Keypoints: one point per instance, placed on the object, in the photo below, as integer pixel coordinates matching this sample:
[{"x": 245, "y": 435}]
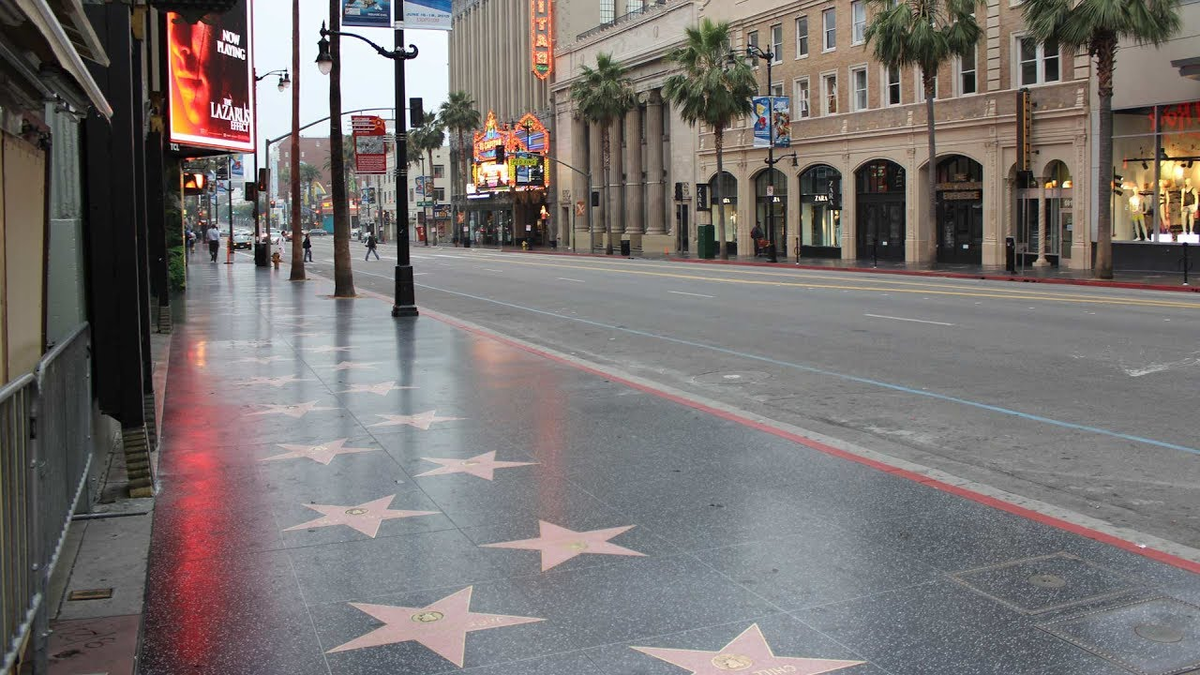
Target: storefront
[
  {"x": 728, "y": 206},
  {"x": 770, "y": 192},
  {"x": 959, "y": 210},
  {"x": 821, "y": 212},
  {"x": 880, "y": 205},
  {"x": 507, "y": 196}
]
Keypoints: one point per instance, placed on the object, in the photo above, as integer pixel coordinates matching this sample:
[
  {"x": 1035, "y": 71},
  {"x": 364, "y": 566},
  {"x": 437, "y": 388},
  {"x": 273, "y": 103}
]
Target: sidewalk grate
[
  {"x": 1045, "y": 583},
  {"x": 1159, "y": 636}
]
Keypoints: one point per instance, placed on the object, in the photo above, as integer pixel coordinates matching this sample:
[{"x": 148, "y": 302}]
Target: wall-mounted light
[{"x": 1068, "y": 184}]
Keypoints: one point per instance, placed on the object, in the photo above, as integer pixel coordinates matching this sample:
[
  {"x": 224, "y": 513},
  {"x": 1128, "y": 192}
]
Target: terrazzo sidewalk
[{"x": 342, "y": 492}]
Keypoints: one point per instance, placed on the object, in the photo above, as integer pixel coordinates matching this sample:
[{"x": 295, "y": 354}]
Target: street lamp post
[
  {"x": 769, "y": 57},
  {"x": 285, "y": 81},
  {"x": 405, "y": 290}
]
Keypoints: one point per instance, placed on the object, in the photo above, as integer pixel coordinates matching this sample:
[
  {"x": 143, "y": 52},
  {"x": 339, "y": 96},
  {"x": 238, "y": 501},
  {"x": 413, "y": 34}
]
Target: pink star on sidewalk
[
  {"x": 297, "y": 410},
  {"x": 442, "y": 626},
  {"x": 484, "y": 466},
  {"x": 558, "y": 544},
  {"x": 349, "y": 365},
  {"x": 747, "y": 652},
  {"x": 381, "y": 389},
  {"x": 421, "y": 421},
  {"x": 365, "y": 518},
  {"x": 276, "y": 382},
  {"x": 323, "y": 453}
]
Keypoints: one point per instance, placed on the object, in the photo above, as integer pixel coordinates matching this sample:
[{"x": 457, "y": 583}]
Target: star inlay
[
  {"x": 421, "y": 421},
  {"x": 275, "y": 381},
  {"x": 483, "y": 466},
  {"x": 748, "y": 652},
  {"x": 442, "y": 626},
  {"x": 349, "y": 365},
  {"x": 323, "y": 453},
  {"x": 365, "y": 518},
  {"x": 558, "y": 544},
  {"x": 326, "y": 349},
  {"x": 296, "y": 410},
  {"x": 381, "y": 389}
]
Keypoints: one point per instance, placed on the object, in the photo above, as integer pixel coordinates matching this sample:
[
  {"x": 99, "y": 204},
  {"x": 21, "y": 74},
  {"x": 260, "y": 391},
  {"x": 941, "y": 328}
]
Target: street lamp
[
  {"x": 285, "y": 81},
  {"x": 754, "y": 51},
  {"x": 405, "y": 289}
]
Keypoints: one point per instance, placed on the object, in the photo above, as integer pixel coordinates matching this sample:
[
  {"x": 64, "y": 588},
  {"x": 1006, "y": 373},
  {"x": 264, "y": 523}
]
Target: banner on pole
[
  {"x": 425, "y": 15},
  {"x": 772, "y": 117},
  {"x": 370, "y": 146},
  {"x": 367, "y": 13}
]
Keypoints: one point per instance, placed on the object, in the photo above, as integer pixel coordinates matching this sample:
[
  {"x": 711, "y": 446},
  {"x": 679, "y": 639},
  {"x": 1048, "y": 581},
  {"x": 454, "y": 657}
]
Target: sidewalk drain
[
  {"x": 1045, "y": 583},
  {"x": 1159, "y": 636},
  {"x": 91, "y": 594}
]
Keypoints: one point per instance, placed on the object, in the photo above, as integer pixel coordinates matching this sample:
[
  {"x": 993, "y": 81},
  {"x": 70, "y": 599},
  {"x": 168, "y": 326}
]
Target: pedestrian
[
  {"x": 307, "y": 248},
  {"x": 757, "y": 234},
  {"x": 214, "y": 241},
  {"x": 191, "y": 241},
  {"x": 371, "y": 247}
]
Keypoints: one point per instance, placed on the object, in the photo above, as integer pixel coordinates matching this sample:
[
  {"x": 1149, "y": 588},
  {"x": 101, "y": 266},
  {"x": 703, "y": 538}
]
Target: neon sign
[{"x": 541, "y": 34}]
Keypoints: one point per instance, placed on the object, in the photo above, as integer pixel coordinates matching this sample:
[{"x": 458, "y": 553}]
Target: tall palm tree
[
  {"x": 348, "y": 166},
  {"x": 429, "y": 137},
  {"x": 603, "y": 95},
  {"x": 309, "y": 174},
  {"x": 925, "y": 34},
  {"x": 458, "y": 114},
  {"x": 1099, "y": 25},
  {"x": 712, "y": 89}
]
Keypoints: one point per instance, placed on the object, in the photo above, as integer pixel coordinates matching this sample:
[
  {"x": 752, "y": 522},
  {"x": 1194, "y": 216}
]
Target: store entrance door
[
  {"x": 960, "y": 232},
  {"x": 881, "y": 229}
]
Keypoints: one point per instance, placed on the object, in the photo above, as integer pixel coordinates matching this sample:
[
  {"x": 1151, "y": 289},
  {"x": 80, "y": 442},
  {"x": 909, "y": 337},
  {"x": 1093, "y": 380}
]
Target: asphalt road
[{"x": 1084, "y": 398}]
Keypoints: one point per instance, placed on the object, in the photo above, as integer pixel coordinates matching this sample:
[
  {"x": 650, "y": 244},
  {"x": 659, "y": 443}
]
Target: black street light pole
[
  {"x": 405, "y": 303},
  {"x": 752, "y": 50},
  {"x": 285, "y": 81}
]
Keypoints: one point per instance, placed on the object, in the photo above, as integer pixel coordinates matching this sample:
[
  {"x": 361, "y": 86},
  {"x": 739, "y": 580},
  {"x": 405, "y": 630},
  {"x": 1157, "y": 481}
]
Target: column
[
  {"x": 616, "y": 214},
  {"x": 598, "y": 214},
  {"x": 579, "y": 159},
  {"x": 655, "y": 187},
  {"x": 634, "y": 217}
]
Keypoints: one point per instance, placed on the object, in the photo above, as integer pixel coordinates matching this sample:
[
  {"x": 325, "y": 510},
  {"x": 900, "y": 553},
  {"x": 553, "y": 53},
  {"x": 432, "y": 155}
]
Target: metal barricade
[{"x": 45, "y": 455}]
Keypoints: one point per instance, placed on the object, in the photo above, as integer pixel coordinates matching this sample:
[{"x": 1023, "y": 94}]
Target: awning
[
  {"x": 43, "y": 16},
  {"x": 1189, "y": 68}
]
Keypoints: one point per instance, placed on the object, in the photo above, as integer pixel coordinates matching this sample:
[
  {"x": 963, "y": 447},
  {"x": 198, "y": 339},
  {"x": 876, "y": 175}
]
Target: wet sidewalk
[{"x": 347, "y": 493}]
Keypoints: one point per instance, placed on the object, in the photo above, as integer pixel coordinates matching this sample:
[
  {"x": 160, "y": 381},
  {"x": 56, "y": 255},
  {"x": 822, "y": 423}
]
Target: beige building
[
  {"x": 381, "y": 213},
  {"x": 858, "y": 134}
]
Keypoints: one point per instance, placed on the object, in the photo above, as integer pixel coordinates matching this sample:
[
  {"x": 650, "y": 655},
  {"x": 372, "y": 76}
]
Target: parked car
[
  {"x": 315, "y": 232},
  {"x": 243, "y": 240}
]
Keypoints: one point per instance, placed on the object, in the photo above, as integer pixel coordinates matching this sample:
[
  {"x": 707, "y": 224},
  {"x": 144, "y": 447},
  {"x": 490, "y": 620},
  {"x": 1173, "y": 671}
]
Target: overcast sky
[{"x": 367, "y": 78}]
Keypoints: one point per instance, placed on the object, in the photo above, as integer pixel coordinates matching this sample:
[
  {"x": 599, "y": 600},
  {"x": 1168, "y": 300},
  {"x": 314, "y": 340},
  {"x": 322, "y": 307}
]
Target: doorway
[{"x": 960, "y": 211}]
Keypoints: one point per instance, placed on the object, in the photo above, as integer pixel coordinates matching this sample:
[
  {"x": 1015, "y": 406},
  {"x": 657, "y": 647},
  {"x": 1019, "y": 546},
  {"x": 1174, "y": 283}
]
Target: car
[
  {"x": 317, "y": 233},
  {"x": 356, "y": 232},
  {"x": 243, "y": 240}
]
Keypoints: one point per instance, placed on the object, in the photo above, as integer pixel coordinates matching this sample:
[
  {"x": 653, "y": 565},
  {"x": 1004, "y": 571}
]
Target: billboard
[
  {"x": 369, "y": 13},
  {"x": 426, "y": 14},
  {"x": 370, "y": 147},
  {"x": 211, "y": 80},
  {"x": 779, "y": 125}
]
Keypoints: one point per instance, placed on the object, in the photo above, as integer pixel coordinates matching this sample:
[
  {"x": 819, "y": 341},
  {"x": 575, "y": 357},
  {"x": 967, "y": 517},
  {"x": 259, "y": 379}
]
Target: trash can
[
  {"x": 706, "y": 242},
  {"x": 625, "y": 248},
  {"x": 261, "y": 254}
]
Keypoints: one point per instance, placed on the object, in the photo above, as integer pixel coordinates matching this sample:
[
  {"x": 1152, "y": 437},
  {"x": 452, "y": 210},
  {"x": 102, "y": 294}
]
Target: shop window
[
  {"x": 777, "y": 43},
  {"x": 829, "y": 93},
  {"x": 820, "y": 209},
  {"x": 858, "y": 14},
  {"x": 728, "y": 205},
  {"x": 829, "y": 22},
  {"x": 858, "y": 79},
  {"x": 966, "y": 72},
  {"x": 1156, "y": 174},
  {"x": 1038, "y": 62},
  {"x": 801, "y": 37},
  {"x": 892, "y": 93},
  {"x": 800, "y": 98}
]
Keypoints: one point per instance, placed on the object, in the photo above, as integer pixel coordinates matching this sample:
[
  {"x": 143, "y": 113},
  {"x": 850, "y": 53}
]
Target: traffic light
[
  {"x": 264, "y": 176},
  {"x": 416, "y": 111}
]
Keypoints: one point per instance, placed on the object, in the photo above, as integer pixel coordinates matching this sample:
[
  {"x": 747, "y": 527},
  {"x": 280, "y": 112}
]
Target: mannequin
[
  {"x": 1188, "y": 204},
  {"x": 1164, "y": 208},
  {"x": 1137, "y": 217}
]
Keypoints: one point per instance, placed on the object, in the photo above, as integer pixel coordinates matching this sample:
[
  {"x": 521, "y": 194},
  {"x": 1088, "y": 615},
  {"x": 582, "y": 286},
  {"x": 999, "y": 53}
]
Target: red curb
[{"x": 1100, "y": 283}]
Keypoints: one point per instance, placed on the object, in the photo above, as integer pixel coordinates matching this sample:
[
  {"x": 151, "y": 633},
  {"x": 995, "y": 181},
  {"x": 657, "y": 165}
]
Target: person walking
[
  {"x": 214, "y": 242},
  {"x": 191, "y": 241},
  {"x": 307, "y": 248},
  {"x": 371, "y": 244},
  {"x": 757, "y": 235}
]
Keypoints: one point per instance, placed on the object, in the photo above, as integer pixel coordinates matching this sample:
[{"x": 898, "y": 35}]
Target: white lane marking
[
  {"x": 578, "y": 281},
  {"x": 488, "y": 269},
  {"x": 419, "y": 274},
  {"x": 900, "y": 318},
  {"x": 698, "y": 295}
]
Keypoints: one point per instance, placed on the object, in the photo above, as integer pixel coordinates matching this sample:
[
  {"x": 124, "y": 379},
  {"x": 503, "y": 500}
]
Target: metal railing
[
  {"x": 648, "y": 7},
  {"x": 45, "y": 455}
]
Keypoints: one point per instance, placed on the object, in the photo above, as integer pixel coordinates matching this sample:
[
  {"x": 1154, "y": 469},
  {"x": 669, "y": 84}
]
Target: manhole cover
[
  {"x": 1047, "y": 581},
  {"x": 1155, "y": 632},
  {"x": 727, "y": 377}
]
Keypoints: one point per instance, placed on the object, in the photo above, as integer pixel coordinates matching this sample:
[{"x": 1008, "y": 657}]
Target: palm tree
[
  {"x": 925, "y": 34},
  {"x": 425, "y": 139},
  {"x": 603, "y": 95},
  {"x": 347, "y": 164},
  {"x": 458, "y": 114},
  {"x": 1099, "y": 25},
  {"x": 712, "y": 89},
  {"x": 309, "y": 174}
]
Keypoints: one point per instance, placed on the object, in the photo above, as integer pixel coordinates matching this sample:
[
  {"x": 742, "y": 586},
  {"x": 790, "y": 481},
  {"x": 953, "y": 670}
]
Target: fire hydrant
[
  {"x": 275, "y": 259},
  {"x": 525, "y": 244}
]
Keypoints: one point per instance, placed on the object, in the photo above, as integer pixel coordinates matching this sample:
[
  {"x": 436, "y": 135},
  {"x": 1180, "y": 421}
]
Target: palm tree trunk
[
  {"x": 462, "y": 181},
  {"x": 297, "y": 268},
  {"x": 928, "y": 81},
  {"x": 1105, "y": 62},
  {"x": 432, "y": 197},
  {"x": 604, "y": 140},
  {"x": 343, "y": 272},
  {"x": 718, "y": 201}
]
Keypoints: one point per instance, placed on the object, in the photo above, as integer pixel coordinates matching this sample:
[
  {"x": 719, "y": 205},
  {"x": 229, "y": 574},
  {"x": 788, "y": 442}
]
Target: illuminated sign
[
  {"x": 541, "y": 19},
  {"x": 524, "y": 159},
  {"x": 211, "y": 80}
]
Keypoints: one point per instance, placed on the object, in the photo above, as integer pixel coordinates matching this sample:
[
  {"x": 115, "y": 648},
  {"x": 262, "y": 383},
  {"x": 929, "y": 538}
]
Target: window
[
  {"x": 439, "y": 171},
  {"x": 439, "y": 194},
  {"x": 829, "y": 21},
  {"x": 777, "y": 43},
  {"x": 608, "y": 11},
  {"x": 966, "y": 73},
  {"x": 1038, "y": 62},
  {"x": 858, "y": 79},
  {"x": 858, "y": 16},
  {"x": 829, "y": 93},
  {"x": 892, "y": 93},
  {"x": 801, "y": 37},
  {"x": 800, "y": 105},
  {"x": 777, "y": 89},
  {"x": 752, "y": 43}
]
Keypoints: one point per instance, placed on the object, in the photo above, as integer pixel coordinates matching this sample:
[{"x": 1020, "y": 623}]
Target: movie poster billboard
[
  {"x": 779, "y": 124},
  {"x": 210, "y": 81},
  {"x": 368, "y": 13},
  {"x": 426, "y": 14}
]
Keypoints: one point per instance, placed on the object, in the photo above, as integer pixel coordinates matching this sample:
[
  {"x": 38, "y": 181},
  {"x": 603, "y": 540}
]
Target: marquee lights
[{"x": 541, "y": 34}]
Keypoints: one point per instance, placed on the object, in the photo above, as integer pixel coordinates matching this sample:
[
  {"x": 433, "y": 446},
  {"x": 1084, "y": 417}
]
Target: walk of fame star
[
  {"x": 323, "y": 453},
  {"x": 442, "y": 626},
  {"x": 365, "y": 518},
  {"x": 484, "y": 466},
  {"x": 381, "y": 389},
  {"x": 325, "y": 349},
  {"x": 274, "y": 381},
  {"x": 351, "y": 365},
  {"x": 748, "y": 652},
  {"x": 558, "y": 544},
  {"x": 421, "y": 421},
  {"x": 296, "y": 410}
]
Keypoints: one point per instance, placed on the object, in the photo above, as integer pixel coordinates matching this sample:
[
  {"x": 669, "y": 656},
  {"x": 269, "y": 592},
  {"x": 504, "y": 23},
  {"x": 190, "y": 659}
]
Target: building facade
[{"x": 428, "y": 190}]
